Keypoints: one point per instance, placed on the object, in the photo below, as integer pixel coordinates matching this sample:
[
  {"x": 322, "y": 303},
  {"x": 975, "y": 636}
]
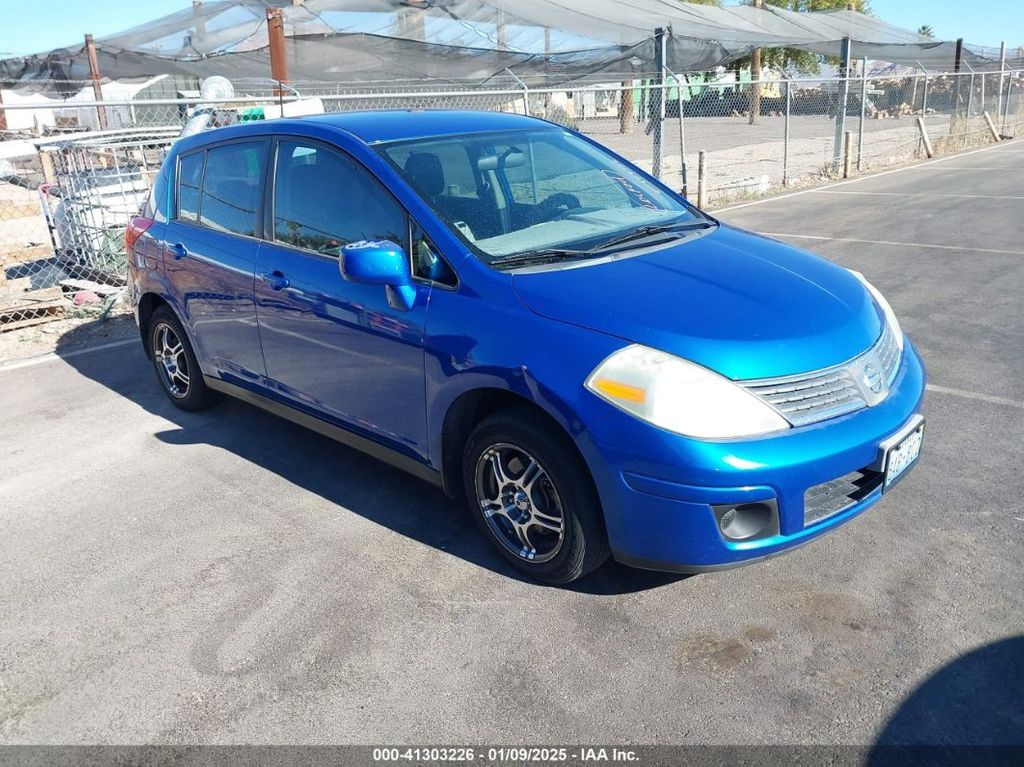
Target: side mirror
[{"x": 380, "y": 263}]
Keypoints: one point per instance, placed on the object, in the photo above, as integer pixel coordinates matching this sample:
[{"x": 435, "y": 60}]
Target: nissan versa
[{"x": 505, "y": 308}]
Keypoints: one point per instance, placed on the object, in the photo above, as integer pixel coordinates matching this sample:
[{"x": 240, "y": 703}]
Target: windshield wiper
[
  {"x": 549, "y": 255},
  {"x": 541, "y": 256},
  {"x": 647, "y": 231}
]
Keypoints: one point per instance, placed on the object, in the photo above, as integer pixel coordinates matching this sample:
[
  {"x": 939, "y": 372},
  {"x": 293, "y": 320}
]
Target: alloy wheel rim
[
  {"x": 173, "y": 364},
  {"x": 519, "y": 503}
]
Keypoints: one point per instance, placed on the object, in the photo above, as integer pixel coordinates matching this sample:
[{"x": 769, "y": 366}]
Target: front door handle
[
  {"x": 276, "y": 280},
  {"x": 179, "y": 250}
]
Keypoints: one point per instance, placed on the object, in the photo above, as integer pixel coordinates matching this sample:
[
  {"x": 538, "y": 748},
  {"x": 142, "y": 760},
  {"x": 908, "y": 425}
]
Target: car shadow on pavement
[
  {"x": 319, "y": 465},
  {"x": 976, "y": 700}
]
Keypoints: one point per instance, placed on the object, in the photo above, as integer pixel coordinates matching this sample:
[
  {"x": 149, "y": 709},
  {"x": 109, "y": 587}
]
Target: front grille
[
  {"x": 807, "y": 398},
  {"x": 837, "y": 495},
  {"x": 888, "y": 352}
]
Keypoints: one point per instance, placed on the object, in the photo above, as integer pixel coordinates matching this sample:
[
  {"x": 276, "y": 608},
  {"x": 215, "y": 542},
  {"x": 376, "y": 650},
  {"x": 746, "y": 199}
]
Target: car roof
[
  {"x": 374, "y": 127},
  {"x": 393, "y": 125}
]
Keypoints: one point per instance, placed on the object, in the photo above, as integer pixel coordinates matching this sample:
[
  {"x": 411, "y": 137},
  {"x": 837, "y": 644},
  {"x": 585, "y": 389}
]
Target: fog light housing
[{"x": 747, "y": 521}]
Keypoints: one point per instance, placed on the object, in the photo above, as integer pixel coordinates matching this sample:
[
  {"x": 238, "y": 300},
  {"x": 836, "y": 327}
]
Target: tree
[
  {"x": 804, "y": 62},
  {"x": 926, "y": 30}
]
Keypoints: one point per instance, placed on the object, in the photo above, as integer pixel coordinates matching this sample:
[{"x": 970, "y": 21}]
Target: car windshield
[{"x": 545, "y": 192}]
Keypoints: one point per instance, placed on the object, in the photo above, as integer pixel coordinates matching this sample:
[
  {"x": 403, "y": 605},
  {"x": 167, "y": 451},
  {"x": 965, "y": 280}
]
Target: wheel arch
[
  {"x": 469, "y": 409},
  {"x": 148, "y": 303}
]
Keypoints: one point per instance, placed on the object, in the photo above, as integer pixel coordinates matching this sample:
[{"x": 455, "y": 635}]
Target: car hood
[{"x": 738, "y": 303}]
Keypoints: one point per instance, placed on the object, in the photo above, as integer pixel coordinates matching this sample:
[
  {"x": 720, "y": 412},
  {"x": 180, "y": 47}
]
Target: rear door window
[{"x": 231, "y": 186}]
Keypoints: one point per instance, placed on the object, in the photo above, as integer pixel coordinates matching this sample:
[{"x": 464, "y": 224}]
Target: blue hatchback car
[{"x": 506, "y": 309}]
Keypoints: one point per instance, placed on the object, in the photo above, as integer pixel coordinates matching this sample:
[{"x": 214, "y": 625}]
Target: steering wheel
[{"x": 558, "y": 204}]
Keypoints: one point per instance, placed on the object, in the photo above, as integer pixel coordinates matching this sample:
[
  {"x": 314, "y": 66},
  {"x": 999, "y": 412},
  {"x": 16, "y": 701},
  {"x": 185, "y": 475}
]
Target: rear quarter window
[{"x": 190, "y": 174}]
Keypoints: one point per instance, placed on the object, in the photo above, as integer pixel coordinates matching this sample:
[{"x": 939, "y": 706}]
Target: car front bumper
[{"x": 660, "y": 491}]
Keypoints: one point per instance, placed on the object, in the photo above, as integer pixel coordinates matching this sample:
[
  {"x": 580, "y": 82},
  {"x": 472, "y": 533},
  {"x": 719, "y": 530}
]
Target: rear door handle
[
  {"x": 276, "y": 280},
  {"x": 179, "y": 250}
]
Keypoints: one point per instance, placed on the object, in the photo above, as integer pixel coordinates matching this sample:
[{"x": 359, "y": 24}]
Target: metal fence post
[
  {"x": 844, "y": 90},
  {"x": 702, "y": 181},
  {"x": 682, "y": 132},
  {"x": 924, "y": 95},
  {"x": 526, "y": 91},
  {"x": 785, "y": 133},
  {"x": 999, "y": 88},
  {"x": 658, "y": 112},
  {"x": 863, "y": 110},
  {"x": 1006, "y": 107},
  {"x": 970, "y": 93}
]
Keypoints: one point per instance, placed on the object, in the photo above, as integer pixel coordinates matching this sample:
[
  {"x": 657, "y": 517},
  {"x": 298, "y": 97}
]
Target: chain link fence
[{"x": 73, "y": 173}]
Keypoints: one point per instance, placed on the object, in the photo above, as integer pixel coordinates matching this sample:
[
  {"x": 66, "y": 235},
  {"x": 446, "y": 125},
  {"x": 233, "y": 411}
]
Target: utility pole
[{"x": 755, "y": 77}]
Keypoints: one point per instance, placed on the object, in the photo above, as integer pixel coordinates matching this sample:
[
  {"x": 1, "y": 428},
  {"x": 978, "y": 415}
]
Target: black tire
[
  {"x": 179, "y": 376},
  {"x": 518, "y": 437}
]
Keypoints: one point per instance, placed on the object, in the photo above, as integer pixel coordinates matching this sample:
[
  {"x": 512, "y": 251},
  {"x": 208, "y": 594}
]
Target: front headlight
[
  {"x": 890, "y": 315},
  {"x": 680, "y": 396}
]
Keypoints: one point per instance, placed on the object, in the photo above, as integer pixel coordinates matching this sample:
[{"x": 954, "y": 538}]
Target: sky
[{"x": 45, "y": 24}]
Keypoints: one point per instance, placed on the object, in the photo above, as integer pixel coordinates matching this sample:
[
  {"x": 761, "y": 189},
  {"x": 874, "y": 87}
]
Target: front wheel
[{"x": 533, "y": 497}]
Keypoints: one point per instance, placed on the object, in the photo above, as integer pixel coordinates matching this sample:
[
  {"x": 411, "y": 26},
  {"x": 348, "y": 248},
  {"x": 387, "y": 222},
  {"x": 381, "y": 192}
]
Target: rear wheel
[
  {"x": 175, "y": 363},
  {"x": 532, "y": 496}
]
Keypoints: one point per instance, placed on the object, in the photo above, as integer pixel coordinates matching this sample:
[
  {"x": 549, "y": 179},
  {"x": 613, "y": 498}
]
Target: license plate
[{"x": 902, "y": 455}]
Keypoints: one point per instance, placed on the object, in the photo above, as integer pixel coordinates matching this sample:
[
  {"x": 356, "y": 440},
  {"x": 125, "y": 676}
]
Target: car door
[
  {"x": 332, "y": 345},
  {"x": 210, "y": 254}
]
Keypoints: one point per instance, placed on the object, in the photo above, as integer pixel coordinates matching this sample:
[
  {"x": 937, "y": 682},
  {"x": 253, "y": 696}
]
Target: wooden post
[
  {"x": 626, "y": 108},
  {"x": 275, "y": 35},
  {"x": 991, "y": 126},
  {"x": 94, "y": 75},
  {"x": 702, "y": 187},
  {"x": 3, "y": 114},
  {"x": 847, "y": 153},
  {"x": 924, "y": 138}
]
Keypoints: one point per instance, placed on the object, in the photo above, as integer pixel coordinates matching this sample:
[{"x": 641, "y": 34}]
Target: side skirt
[{"x": 368, "y": 446}]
